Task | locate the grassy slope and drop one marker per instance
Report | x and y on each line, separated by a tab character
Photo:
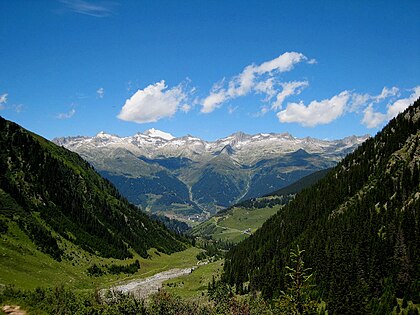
194	285
22	265
231	225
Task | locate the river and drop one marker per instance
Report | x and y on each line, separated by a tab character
142	288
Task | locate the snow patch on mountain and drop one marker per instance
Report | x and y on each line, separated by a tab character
243	148
155	133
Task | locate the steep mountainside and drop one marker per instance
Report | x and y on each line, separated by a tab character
237	222
360	227
188	178
56	198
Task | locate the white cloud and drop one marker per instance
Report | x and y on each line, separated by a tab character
98	9
282	63
232	109
361	100
264	110
18	108
129	86
3	100
317	112
358	101
213	101
373	119
289	88
153	103
386	93
252	79
67	115
186	108
266	87
242	83
100	92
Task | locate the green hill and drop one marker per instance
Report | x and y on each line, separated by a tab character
55	208
236	223
359	226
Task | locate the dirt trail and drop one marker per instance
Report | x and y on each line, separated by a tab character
142	288
13	310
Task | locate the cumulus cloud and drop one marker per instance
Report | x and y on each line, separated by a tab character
317	112
252	79
326	111
373	119
100	92
154	102
362	100
67	115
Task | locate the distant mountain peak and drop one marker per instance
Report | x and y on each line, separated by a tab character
155	133
103	134
240	135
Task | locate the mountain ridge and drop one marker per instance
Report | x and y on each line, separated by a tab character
159	140
216	174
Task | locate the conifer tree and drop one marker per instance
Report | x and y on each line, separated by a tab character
297	299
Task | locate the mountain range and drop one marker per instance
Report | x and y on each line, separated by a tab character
190	178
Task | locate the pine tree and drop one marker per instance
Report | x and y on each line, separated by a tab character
297	299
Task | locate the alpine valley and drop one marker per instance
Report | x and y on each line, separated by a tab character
190	179
209	157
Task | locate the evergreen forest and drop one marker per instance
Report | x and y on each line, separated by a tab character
359	227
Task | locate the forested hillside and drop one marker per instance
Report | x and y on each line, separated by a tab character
359	227
52	193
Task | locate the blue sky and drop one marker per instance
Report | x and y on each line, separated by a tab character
326	69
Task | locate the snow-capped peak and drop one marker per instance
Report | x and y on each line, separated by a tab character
155	133
241	147
103	134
